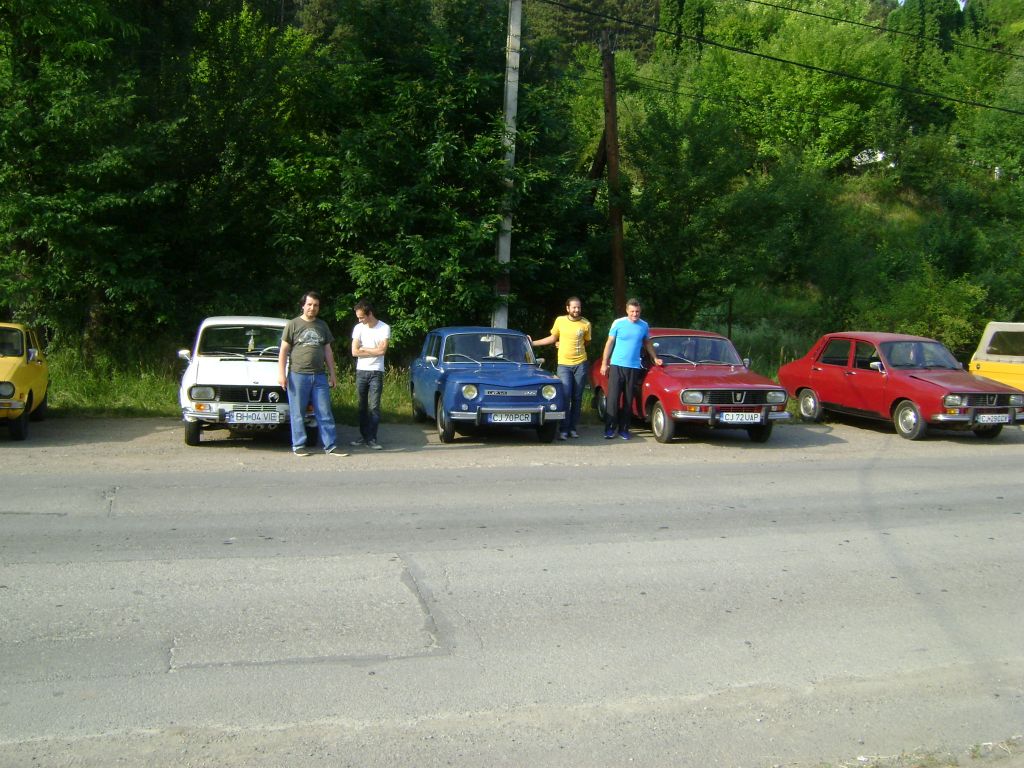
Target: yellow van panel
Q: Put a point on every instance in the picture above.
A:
(1006, 373)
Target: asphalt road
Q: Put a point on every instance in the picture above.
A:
(833, 594)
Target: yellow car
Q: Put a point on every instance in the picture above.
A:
(24, 378)
(1000, 354)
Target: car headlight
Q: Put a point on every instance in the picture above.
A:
(1017, 400)
(777, 396)
(469, 391)
(953, 401)
(691, 396)
(6, 389)
(201, 393)
(548, 391)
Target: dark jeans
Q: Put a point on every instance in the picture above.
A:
(574, 379)
(369, 385)
(622, 385)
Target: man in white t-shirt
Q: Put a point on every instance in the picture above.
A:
(369, 343)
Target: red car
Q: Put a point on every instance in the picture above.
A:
(911, 380)
(703, 382)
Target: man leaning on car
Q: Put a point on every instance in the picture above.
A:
(306, 369)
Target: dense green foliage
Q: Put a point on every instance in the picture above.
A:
(786, 173)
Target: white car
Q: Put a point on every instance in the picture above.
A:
(231, 378)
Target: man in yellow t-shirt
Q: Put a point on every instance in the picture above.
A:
(571, 333)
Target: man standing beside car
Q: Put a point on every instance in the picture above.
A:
(305, 367)
(621, 363)
(571, 332)
(369, 343)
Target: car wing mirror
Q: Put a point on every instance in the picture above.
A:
(431, 359)
(877, 366)
(540, 361)
(746, 362)
(33, 353)
(184, 354)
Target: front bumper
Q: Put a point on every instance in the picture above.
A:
(539, 415)
(237, 415)
(11, 408)
(979, 417)
(729, 416)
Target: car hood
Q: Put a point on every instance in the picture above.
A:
(959, 381)
(712, 377)
(501, 374)
(227, 370)
(7, 367)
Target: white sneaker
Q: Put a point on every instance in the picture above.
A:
(335, 452)
(374, 445)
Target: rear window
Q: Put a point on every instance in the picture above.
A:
(1006, 343)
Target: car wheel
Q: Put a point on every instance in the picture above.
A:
(662, 425)
(760, 433)
(445, 428)
(418, 414)
(19, 426)
(907, 420)
(988, 432)
(547, 431)
(192, 430)
(40, 413)
(809, 405)
(601, 404)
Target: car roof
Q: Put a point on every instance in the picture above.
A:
(876, 337)
(473, 329)
(17, 326)
(243, 320)
(684, 332)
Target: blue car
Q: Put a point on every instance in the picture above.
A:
(470, 377)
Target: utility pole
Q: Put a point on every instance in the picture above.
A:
(611, 142)
(499, 319)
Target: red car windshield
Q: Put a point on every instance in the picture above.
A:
(696, 350)
(918, 354)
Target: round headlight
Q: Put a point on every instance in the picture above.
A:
(469, 391)
(201, 393)
(777, 396)
(548, 391)
(953, 401)
(691, 396)
(1017, 400)
(6, 389)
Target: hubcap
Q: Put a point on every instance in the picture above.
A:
(908, 419)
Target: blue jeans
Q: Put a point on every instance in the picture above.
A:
(369, 385)
(574, 379)
(304, 388)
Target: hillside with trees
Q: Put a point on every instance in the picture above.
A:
(788, 168)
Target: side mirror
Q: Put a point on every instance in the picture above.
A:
(877, 366)
(33, 354)
(746, 362)
(431, 359)
(540, 362)
(184, 354)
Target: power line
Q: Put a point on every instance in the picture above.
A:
(779, 60)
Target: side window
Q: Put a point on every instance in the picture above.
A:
(434, 345)
(864, 355)
(836, 352)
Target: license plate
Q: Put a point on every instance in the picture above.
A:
(992, 418)
(253, 417)
(741, 418)
(511, 418)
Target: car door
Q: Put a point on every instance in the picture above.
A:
(424, 374)
(829, 373)
(867, 386)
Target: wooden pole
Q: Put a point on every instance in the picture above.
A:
(611, 131)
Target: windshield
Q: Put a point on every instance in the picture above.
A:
(696, 350)
(12, 342)
(919, 354)
(487, 348)
(240, 340)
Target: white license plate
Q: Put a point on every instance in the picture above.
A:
(511, 418)
(741, 418)
(253, 417)
(992, 418)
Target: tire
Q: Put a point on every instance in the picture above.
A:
(19, 426)
(445, 428)
(907, 420)
(547, 431)
(418, 414)
(662, 424)
(601, 404)
(192, 431)
(39, 414)
(809, 405)
(988, 432)
(760, 433)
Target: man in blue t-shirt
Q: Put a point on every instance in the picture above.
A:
(621, 364)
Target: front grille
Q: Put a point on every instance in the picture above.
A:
(987, 400)
(737, 396)
(253, 394)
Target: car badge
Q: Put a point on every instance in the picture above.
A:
(254, 394)
(738, 397)
(274, 397)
